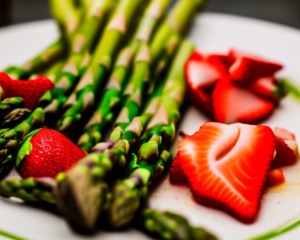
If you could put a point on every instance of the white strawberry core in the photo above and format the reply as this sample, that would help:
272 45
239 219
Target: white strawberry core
202 74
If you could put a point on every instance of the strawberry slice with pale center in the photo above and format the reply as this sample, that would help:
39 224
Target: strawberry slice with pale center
199 73
248 68
232 103
226 166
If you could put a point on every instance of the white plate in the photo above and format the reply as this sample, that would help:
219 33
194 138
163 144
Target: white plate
211 33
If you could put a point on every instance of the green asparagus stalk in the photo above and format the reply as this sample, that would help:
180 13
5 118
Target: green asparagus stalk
66 15
84 97
10 104
30 189
13 116
48 56
112 98
170 226
54 70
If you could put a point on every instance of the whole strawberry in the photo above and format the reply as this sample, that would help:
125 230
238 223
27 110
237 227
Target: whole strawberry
46 153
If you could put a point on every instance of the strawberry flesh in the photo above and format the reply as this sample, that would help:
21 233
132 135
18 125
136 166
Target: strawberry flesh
284 155
247 69
220 61
284 134
232 103
275 177
176 175
199 73
202 100
267 87
51 154
226 166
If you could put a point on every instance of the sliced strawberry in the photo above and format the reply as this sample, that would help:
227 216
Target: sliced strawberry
220 61
202 100
199 73
31 91
226 166
284 154
248 68
267 87
294 147
196 56
284 134
235 54
176 175
275 177
232 103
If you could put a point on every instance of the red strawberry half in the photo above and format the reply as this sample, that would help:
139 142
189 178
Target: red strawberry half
247 69
232 103
226 166
46 153
31 90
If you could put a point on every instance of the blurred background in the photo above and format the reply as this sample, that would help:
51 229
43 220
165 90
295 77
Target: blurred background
280 11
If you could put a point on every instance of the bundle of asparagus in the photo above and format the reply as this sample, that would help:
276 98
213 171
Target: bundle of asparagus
117 94
50 102
95 167
84 95
144 127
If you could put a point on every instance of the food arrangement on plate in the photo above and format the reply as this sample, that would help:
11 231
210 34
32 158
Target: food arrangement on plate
126 65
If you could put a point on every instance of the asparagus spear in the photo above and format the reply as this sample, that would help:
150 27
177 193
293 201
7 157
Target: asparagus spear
84 96
30 189
67 15
168 225
112 97
49 55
